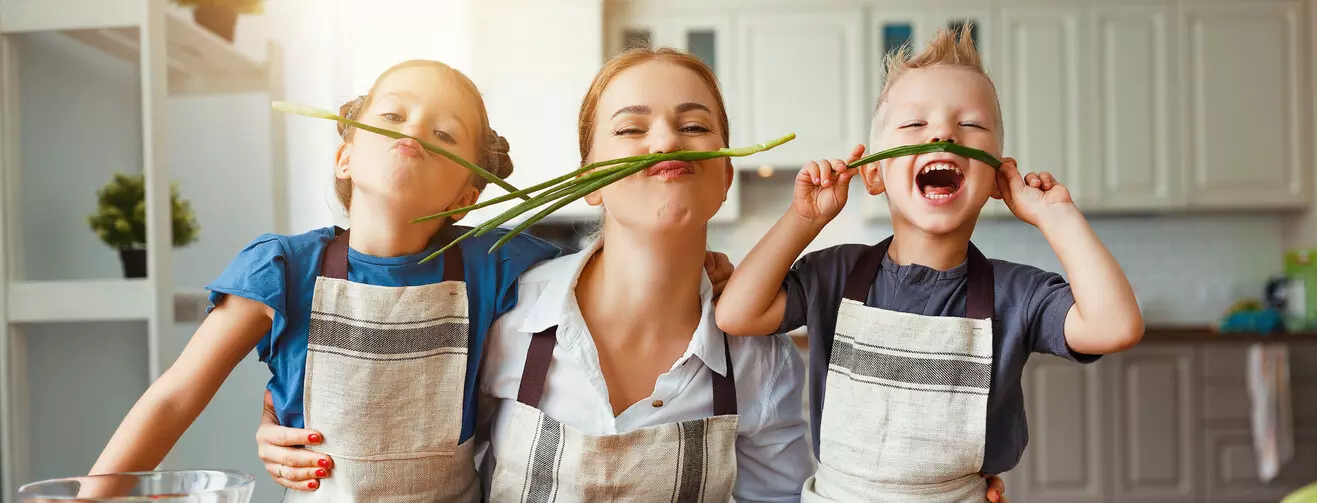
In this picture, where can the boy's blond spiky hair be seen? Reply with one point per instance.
(948, 48)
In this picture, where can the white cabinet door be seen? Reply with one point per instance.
(1246, 122)
(1132, 108)
(1042, 86)
(801, 72)
(1156, 435)
(1065, 404)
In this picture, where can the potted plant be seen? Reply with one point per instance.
(120, 221)
(221, 16)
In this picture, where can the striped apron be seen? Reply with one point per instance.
(385, 374)
(543, 460)
(906, 400)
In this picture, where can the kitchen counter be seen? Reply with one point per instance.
(1177, 334)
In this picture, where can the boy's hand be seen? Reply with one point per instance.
(279, 447)
(719, 269)
(822, 187)
(1031, 196)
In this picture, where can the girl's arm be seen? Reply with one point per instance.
(175, 400)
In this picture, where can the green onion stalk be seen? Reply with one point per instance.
(563, 190)
(292, 108)
(927, 148)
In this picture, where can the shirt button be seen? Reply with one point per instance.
(658, 403)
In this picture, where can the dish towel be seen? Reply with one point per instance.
(1272, 418)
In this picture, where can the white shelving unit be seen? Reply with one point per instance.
(176, 57)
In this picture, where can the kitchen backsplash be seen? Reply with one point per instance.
(1184, 268)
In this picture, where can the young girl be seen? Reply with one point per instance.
(372, 349)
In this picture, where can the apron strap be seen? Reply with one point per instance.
(724, 386)
(537, 366)
(866, 268)
(979, 281)
(979, 300)
(540, 354)
(335, 262)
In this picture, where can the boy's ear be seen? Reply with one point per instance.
(873, 178)
(342, 161)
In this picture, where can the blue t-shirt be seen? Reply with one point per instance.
(280, 271)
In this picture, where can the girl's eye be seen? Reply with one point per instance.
(627, 131)
(391, 117)
(912, 124)
(695, 128)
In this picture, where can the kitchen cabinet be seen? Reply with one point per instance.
(1244, 103)
(802, 72)
(1064, 461)
(1135, 105)
(1133, 139)
(1154, 423)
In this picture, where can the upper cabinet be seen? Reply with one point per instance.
(1133, 160)
(1134, 105)
(800, 72)
(1246, 118)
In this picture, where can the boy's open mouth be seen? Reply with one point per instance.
(939, 180)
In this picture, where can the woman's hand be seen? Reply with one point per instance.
(996, 489)
(281, 449)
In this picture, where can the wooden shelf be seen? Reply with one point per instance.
(198, 61)
(84, 300)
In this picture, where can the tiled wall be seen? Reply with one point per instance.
(1184, 268)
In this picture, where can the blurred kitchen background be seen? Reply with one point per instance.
(1183, 127)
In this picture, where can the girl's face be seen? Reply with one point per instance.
(660, 107)
(426, 103)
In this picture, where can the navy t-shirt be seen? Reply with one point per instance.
(1029, 311)
(280, 271)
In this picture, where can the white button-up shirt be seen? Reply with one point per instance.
(772, 453)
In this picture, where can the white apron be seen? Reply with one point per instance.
(906, 400)
(543, 460)
(385, 373)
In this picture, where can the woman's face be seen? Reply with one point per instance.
(425, 103)
(660, 107)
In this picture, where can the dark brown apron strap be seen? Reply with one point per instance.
(334, 264)
(979, 296)
(724, 387)
(536, 370)
(861, 278)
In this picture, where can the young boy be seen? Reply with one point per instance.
(917, 343)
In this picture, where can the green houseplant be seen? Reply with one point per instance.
(221, 16)
(120, 220)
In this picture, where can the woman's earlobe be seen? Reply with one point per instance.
(342, 161)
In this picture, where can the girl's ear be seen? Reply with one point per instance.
(467, 197)
(342, 161)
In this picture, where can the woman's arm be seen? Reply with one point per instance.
(175, 400)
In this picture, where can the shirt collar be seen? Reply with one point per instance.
(556, 306)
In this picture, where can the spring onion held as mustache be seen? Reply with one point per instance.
(926, 148)
(291, 108)
(562, 190)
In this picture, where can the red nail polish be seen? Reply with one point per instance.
(313, 484)
(321, 473)
(313, 438)
(323, 462)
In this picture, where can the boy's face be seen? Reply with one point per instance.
(938, 192)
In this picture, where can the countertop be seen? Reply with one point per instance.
(1182, 334)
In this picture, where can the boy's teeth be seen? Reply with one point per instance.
(940, 166)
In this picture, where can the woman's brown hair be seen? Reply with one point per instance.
(493, 152)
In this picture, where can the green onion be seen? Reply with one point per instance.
(291, 108)
(578, 184)
(926, 148)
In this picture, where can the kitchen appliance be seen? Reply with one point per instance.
(1295, 293)
(190, 486)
